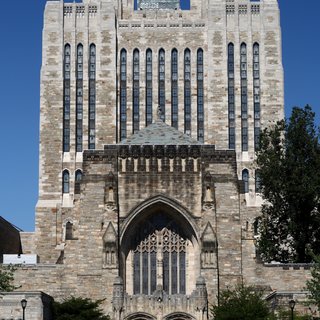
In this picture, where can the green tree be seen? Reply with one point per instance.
(75, 308)
(313, 285)
(6, 278)
(242, 303)
(289, 171)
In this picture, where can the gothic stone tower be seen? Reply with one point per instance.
(150, 115)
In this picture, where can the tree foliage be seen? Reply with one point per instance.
(75, 308)
(313, 285)
(6, 278)
(289, 171)
(242, 303)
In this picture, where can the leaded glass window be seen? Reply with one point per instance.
(187, 92)
(245, 179)
(136, 89)
(92, 97)
(200, 111)
(167, 248)
(66, 98)
(79, 98)
(244, 97)
(174, 88)
(65, 181)
(69, 231)
(231, 95)
(123, 94)
(148, 87)
(257, 181)
(256, 94)
(162, 79)
(78, 178)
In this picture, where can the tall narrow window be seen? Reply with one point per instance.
(65, 181)
(244, 97)
(200, 112)
(162, 87)
(66, 98)
(92, 97)
(78, 178)
(174, 88)
(231, 100)
(69, 231)
(165, 245)
(245, 179)
(257, 181)
(78, 175)
(136, 89)
(187, 92)
(123, 94)
(79, 98)
(149, 87)
(256, 94)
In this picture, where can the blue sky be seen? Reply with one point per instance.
(20, 60)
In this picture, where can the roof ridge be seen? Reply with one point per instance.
(159, 133)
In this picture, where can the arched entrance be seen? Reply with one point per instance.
(159, 248)
(140, 316)
(178, 316)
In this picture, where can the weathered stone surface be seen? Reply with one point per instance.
(86, 237)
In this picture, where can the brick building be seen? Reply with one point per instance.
(150, 116)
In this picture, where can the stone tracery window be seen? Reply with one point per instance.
(244, 97)
(174, 88)
(66, 98)
(162, 80)
(123, 94)
(65, 181)
(245, 179)
(136, 89)
(79, 98)
(231, 96)
(187, 92)
(256, 94)
(162, 254)
(200, 111)
(92, 97)
(149, 87)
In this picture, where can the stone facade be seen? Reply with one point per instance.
(154, 219)
(38, 305)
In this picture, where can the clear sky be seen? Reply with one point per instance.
(20, 60)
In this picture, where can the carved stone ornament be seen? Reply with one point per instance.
(147, 152)
(183, 152)
(110, 207)
(135, 151)
(207, 206)
(171, 151)
(124, 152)
(195, 152)
(159, 151)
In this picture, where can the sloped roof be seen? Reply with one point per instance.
(159, 133)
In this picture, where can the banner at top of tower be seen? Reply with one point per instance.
(158, 4)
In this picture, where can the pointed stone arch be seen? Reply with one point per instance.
(145, 251)
(140, 316)
(178, 316)
(209, 247)
(110, 247)
(184, 216)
